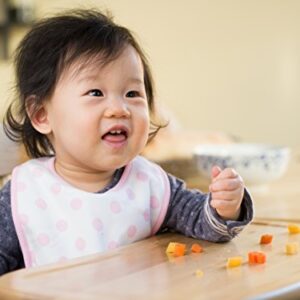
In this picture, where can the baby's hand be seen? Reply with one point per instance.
(227, 192)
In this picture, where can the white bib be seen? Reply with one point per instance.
(56, 221)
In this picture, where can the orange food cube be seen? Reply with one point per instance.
(179, 249)
(261, 258)
(252, 257)
(294, 228)
(291, 248)
(196, 248)
(171, 248)
(176, 249)
(255, 257)
(266, 239)
(234, 261)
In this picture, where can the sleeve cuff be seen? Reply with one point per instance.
(230, 228)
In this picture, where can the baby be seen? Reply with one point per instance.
(84, 112)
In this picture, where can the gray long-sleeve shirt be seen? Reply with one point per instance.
(188, 213)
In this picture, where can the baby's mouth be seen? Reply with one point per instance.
(115, 136)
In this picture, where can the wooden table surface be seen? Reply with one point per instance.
(143, 270)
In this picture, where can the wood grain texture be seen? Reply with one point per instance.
(143, 270)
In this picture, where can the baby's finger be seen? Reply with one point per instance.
(215, 171)
(226, 173)
(226, 195)
(226, 184)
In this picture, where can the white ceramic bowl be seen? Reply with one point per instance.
(258, 164)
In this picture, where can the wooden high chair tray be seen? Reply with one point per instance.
(143, 270)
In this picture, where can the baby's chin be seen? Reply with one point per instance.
(113, 165)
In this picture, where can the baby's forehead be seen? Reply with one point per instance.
(98, 63)
(83, 66)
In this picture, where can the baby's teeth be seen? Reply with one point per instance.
(116, 131)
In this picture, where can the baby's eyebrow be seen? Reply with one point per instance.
(136, 80)
(86, 77)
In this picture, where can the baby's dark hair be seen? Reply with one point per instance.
(52, 45)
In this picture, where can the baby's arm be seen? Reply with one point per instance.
(10, 252)
(191, 214)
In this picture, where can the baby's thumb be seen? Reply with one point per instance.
(215, 171)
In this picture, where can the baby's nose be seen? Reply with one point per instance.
(117, 108)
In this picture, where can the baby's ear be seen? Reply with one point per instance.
(38, 115)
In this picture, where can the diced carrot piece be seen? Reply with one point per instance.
(266, 239)
(294, 228)
(255, 257)
(171, 248)
(234, 261)
(291, 248)
(196, 248)
(179, 249)
(252, 257)
(261, 258)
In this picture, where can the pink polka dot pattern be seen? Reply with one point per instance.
(76, 203)
(142, 176)
(112, 245)
(41, 203)
(154, 202)
(50, 211)
(56, 188)
(80, 244)
(131, 232)
(21, 187)
(43, 239)
(61, 225)
(97, 224)
(115, 207)
(146, 215)
(130, 194)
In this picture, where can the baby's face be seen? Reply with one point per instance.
(99, 116)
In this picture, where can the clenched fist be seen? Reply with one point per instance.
(227, 192)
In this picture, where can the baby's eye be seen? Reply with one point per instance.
(133, 94)
(95, 93)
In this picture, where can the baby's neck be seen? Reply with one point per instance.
(87, 181)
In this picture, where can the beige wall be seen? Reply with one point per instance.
(222, 65)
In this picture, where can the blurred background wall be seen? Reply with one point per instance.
(225, 65)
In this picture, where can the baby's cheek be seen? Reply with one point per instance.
(143, 133)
